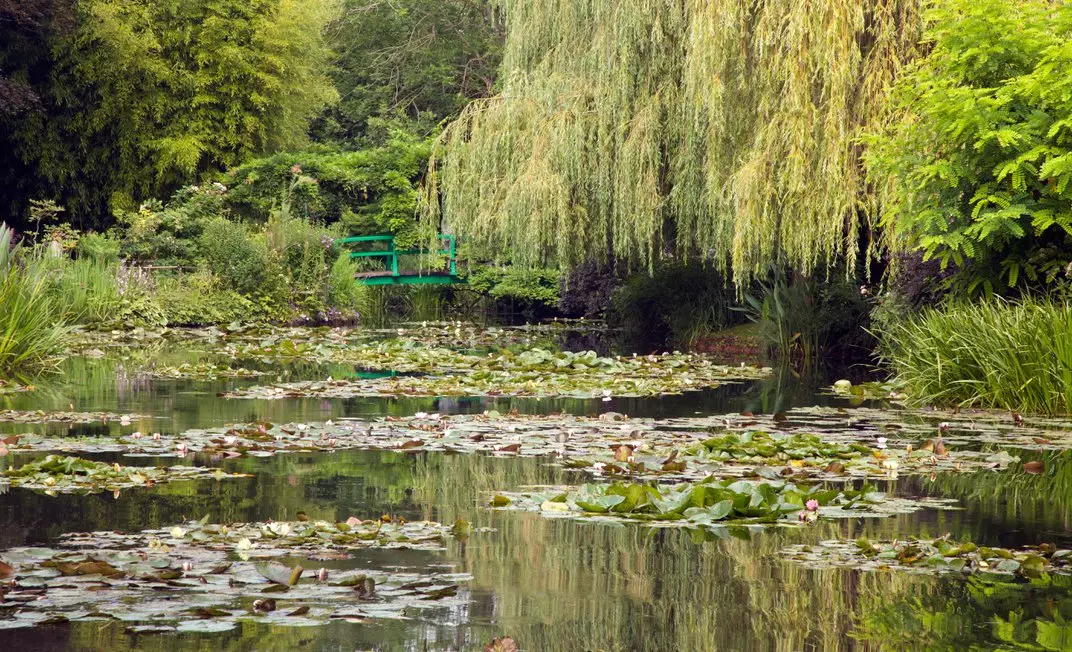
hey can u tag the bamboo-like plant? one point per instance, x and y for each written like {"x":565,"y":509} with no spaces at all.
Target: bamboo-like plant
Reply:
{"x":725,"y":130}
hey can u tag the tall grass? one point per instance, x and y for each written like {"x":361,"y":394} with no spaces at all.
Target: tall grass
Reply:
{"x":998,"y":354}
{"x":32,"y":331}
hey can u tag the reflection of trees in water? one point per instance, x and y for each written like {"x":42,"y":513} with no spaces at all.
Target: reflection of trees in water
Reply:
{"x":1039,"y":505}
{"x":978,"y":612}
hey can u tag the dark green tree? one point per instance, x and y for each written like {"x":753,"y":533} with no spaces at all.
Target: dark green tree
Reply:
{"x":141,"y":96}
{"x":412,"y":62}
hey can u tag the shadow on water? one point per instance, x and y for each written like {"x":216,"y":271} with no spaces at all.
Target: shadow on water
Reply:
{"x":557,"y":584}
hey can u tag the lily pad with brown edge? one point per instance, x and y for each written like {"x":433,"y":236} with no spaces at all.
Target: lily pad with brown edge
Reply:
{"x":223,"y":574}
{"x":931,"y":556}
{"x":56,"y":474}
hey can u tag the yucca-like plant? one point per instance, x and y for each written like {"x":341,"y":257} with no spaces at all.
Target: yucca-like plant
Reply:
{"x":31,"y":328}
{"x":1016,"y":356}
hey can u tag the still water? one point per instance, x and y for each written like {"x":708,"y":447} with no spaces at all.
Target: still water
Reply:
{"x":550,"y":584}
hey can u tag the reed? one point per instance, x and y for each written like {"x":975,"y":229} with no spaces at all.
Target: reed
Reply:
{"x":995,"y":353}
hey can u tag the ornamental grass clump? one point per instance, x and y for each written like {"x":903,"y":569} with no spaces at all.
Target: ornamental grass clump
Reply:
{"x":31,"y":328}
{"x":998,"y":354}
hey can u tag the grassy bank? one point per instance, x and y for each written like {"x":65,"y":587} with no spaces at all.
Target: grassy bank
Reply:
{"x":1016,"y":356}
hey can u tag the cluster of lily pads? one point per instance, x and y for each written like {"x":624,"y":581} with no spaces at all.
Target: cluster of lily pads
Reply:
{"x":610,"y":445}
{"x":534,"y":372}
{"x":931,"y":556}
{"x":56,"y":474}
{"x":804,"y":452}
{"x":209,"y":577}
{"x":204,"y":371}
{"x":712,"y":501}
{"x":45,"y":416}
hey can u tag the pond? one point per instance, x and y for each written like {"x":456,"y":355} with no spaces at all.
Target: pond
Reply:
{"x":548,"y":583}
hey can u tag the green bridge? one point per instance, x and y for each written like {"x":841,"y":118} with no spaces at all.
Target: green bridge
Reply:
{"x":391,"y":275}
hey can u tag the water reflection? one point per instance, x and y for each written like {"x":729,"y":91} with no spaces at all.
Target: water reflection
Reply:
{"x":553,"y":584}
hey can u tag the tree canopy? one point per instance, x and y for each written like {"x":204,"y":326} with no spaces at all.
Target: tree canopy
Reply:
{"x":412,"y":62}
{"x":132,"y":98}
{"x":725,"y":130}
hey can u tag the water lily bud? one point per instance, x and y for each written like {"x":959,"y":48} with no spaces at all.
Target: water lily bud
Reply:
{"x":135,"y":435}
{"x":181,"y":447}
{"x":322,"y":575}
{"x":156,"y":436}
{"x":187,"y":567}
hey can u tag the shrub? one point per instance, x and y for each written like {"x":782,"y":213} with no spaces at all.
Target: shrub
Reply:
{"x":803,"y":318}
{"x":588,"y":289}
{"x":233,"y":254}
{"x":197,"y":300}
{"x":674,"y":305}
{"x":529,"y":287}
{"x":344,"y":293}
{"x":994,"y":353}
{"x":171,"y":234}
{"x":100,"y":247}
{"x":976,"y":164}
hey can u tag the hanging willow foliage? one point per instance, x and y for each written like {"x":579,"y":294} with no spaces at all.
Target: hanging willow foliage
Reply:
{"x":643,"y":128}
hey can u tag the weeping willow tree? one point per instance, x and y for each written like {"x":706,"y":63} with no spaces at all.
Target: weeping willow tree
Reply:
{"x":724,"y":129}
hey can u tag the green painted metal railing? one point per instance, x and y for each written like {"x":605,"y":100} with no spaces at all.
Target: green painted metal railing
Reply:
{"x":392,"y":274}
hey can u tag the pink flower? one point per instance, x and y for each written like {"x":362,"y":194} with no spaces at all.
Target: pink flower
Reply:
{"x":812,"y":505}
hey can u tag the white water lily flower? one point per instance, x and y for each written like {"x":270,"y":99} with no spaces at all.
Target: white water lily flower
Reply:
{"x":135,"y":435}
{"x":178,"y":532}
{"x":243,"y":544}
{"x":890,"y":465}
{"x":230,"y":440}
{"x":124,"y":420}
{"x":881,"y":442}
{"x":302,"y":426}
{"x":421,"y":415}
{"x":280,"y":529}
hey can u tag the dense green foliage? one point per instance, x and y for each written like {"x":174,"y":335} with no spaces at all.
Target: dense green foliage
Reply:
{"x":408,"y":63}
{"x":134,"y":98}
{"x":370,"y":191}
{"x":976,"y":167}
{"x":991,"y":354}
{"x":725,"y":130}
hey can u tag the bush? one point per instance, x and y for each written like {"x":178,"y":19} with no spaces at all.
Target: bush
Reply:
{"x":588,"y":290}
{"x":171,"y":234}
{"x":232,"y":253}
{"x":99,"y":247}
{"x":344,"y":293}
{"x":806,"y":318}
{"x":675,"y":305}
{"x":197,"y":300}
{"x":372,"y":191}
{"x":976,"y":167}
{"x":1016,"y":356}
{"x":532,"y":288}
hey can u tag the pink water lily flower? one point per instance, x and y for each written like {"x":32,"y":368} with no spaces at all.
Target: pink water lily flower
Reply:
{"x":812,"y":505}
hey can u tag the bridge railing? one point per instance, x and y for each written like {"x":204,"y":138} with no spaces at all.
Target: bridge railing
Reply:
{"x":391,"y":254}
